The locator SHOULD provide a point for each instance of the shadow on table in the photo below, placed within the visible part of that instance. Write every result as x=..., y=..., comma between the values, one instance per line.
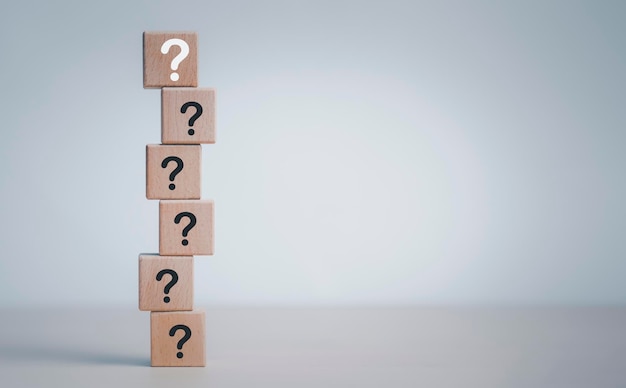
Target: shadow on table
x=59, y=355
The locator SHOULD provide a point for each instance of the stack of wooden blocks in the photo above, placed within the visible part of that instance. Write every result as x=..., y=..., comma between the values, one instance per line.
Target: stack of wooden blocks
x=173, y=176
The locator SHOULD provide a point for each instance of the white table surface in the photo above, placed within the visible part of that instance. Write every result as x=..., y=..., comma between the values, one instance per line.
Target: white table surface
x=324, y=347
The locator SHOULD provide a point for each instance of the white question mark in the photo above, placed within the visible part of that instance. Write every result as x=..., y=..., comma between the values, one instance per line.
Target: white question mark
x=184, y=51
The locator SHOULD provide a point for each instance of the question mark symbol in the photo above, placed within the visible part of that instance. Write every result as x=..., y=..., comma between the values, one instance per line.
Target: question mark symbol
x=195, y=116
x=192, y=223
x=182, y=341
x=179, y=168
x=184, y=51
x=170, y=284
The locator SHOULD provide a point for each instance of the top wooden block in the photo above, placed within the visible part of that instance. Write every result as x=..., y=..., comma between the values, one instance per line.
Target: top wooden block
x=170, y=59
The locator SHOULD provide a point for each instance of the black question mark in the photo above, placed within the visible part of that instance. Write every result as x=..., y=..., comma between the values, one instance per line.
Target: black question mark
x=182, y=341
x=170, y=284
x=179, y=168
x=192, y=223
x=195, y=116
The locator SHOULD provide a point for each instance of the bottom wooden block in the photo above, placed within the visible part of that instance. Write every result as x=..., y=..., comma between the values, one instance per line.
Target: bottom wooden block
x=177, y=338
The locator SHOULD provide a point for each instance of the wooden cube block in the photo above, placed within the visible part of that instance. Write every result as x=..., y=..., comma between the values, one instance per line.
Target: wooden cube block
x=177, y=338
x=185, y=228
x=187, y=116
x=170, y=59
x=165, y=283
x=173, y=172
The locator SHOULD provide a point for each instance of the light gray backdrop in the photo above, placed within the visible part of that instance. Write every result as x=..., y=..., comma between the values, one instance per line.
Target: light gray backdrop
x=368, y=152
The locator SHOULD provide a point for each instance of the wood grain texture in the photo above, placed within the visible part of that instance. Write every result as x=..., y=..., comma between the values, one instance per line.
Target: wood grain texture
x=199, y=237
x=157, y=69
x=165, y=336
x=174, y=290
x=179, y=110
x=186, y=183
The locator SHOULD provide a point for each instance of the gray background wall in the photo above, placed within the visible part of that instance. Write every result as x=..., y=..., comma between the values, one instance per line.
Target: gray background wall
x=368, y=152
